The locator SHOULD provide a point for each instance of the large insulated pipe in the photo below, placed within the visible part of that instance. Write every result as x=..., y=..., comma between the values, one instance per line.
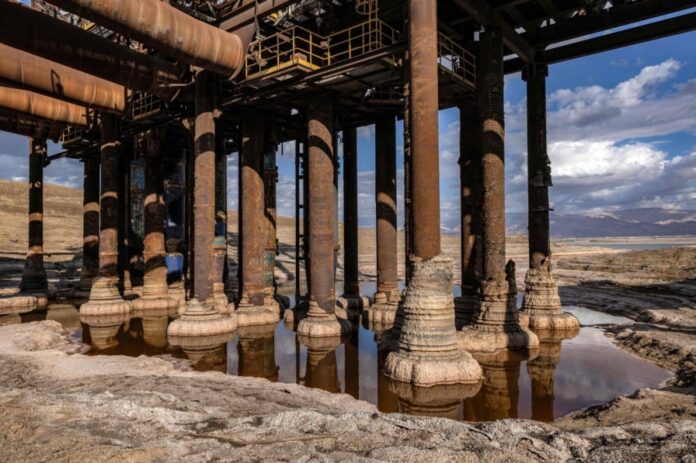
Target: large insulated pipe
x=56, y=40
x=42, y=106
x=31, y=72
x=159, y=25
x=21, y=124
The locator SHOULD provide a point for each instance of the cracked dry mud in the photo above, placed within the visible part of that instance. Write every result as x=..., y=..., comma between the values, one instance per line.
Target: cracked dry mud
x=60, y=405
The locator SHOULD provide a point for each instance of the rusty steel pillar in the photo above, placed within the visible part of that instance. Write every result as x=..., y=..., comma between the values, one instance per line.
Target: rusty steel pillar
x=106, y=310
x=220, y=242
x=201, y=329
x=470, y=198
x=34, y=274
x=426, y=353
x=90, y=223
x=254, y=307
x=270, y=178
x=351, y=280
x=542, y=303
x=321, y=318
x=387, y=297
x=155, y=296
x=124, y=223
x=495, y=323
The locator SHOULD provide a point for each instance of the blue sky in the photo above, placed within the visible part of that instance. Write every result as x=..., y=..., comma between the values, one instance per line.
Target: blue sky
x=622, y=134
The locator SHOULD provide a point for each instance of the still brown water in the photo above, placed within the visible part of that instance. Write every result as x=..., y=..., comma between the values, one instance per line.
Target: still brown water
x=563, y=376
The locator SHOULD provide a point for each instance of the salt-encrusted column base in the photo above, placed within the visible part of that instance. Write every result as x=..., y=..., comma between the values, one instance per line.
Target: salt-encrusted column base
x=542, y=304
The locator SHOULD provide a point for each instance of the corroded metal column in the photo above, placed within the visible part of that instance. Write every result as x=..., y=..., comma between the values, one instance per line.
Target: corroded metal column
x=541, y=300
x=351, y=296
x=106, y=310
x=201, y=329
x=387, y=296
x=470, y=197
x=270, y=177
x=124, y=233
x=34, y=274
x=220, y=242
x=427, y=353
x=90, y=223
x=253, y=306
x=321, y=318
x=155, y=298
x=495, y=324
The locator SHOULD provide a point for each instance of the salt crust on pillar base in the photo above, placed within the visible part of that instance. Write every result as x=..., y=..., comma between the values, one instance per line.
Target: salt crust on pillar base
x=323, y=326
x=249, y=315
x=542, y=304
x=495, y=324
x=464, y=308
x=353, y=302
x=20, y=303
x=427, y=353
x=200, y=328
x=381, y=313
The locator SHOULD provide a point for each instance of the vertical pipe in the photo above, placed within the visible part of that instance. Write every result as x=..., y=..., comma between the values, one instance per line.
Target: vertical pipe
x=220, y=242
x=204, y=187
x=351, y=282
x=538, y=170
x=470, y=176
x=155, y=278
x=493, y=155
x=108, y=205
x=270, y=177
x=252, y=202
x=34, y=274
x=90, y=222
x=423, y=120
x=385, y=195
x=321, y=205
x=124, y=222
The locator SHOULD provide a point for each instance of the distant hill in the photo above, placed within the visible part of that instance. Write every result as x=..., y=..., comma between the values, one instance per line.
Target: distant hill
x=630, y=222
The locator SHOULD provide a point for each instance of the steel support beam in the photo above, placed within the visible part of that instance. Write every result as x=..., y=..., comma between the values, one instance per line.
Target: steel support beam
x=90, y=222
x=252, y=228
x=487, y=16
x=204, y=188
x=351, y=280
x=36, y=33
x=608, y=42
x=385, y=198
x=34, y=274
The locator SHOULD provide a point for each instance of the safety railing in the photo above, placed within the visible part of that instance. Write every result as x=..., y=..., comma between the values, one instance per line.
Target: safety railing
x=360, y=39
x=299, y=47
x=295, y=46
x=456, y=60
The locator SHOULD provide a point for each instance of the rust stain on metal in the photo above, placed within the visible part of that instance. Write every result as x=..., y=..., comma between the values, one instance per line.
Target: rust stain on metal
x=385, y=195
x=161, y=26
x=470, y=176
x=252, y=218
x=42, y=106
x=204, y=187
x=351, y=284
x=108, y=202
x=538, y=166
x=493, y=154
x=36, y=33
x=423, y=126
x=90, y=222
x=31, y=72
x=321, y=203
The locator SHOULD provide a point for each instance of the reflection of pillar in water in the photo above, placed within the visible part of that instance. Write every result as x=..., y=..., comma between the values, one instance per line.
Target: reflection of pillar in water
x=214, y=359
x=542, y=370
x=498, y=398
x=387, y=401
x=322, y=368
x=352, y=363
x=256, y=351
x=155, y=332
x=443, y=401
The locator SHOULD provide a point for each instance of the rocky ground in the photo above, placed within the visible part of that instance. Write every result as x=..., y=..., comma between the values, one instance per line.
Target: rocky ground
x=60, y=405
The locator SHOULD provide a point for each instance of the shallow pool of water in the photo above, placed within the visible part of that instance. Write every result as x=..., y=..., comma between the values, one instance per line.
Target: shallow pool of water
x=562, y=376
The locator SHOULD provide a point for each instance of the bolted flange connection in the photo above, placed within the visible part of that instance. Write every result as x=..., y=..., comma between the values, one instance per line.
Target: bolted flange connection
x=427, y=353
